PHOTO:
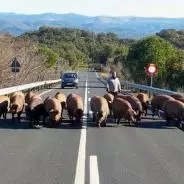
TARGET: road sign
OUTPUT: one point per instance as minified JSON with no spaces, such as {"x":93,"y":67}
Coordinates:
{"x":15,"y":63}
{"x":15,"y":66}
{"x":151,"y":69}
{"x":15,"y":70}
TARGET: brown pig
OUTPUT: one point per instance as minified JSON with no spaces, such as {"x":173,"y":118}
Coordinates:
{"x":28,"y":96}
{"x":62,"y":98}
{"x":122,"y":109}
{"x":144,"y":99}
{"x":109,"y":97}
{"x":181,"y":99}
{"x":176,"y":96}
{"x":75,"y":106}
{"x":4,"y":105}
{"x":100,"y":109}
{"x":53,"y":109}
{"x":158,"y":101}
{"x":135,"y":103}
{"x":35,"y":109}
{"x":173,"y":110}
{"x":17,"y":102}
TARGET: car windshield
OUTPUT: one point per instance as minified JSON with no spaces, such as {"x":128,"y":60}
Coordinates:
{"x":69,"y":75}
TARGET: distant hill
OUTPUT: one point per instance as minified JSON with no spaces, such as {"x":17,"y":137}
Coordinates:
{"x":173,"y":36}
{"x":124,"y":27}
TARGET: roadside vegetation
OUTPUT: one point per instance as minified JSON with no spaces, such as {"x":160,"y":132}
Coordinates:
{"x":46,"y":52}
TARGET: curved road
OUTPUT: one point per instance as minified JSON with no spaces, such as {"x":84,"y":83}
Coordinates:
{"x":148,"y":154}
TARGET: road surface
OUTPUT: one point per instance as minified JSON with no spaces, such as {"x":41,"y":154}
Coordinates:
{"x":148,"y":154}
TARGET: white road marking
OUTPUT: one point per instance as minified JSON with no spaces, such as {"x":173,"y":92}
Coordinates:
{"x":93,"y":169}
{"x":89,"y":99}
{"x":88,"y":92}
{"x":97,"y":75}
{"x":80,"y":168}
{"x":46,"y":92}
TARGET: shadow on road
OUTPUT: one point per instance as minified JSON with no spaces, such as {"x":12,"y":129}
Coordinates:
{"x":8,"y":124}
{"x":152,"y":125}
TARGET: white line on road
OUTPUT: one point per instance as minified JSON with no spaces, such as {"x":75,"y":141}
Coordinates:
{"x":93,"y":168}
{"x":89,"y":99}
{"x":97,"y":75}
{"x":88,"y":92}
{"x":46,"y":92}
{"x":80,"y":168}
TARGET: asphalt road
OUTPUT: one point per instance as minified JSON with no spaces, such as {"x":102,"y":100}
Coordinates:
{"x":148,"y":154}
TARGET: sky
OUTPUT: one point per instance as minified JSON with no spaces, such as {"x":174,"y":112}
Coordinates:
{"x":143,"y":8}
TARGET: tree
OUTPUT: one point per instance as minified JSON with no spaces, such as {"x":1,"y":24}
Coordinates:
{"x":149,"y":50}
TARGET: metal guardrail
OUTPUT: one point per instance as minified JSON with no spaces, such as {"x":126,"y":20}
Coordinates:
{"x":142,"y":87}
{"x":149,"y":89}
{"x":6,"y":91}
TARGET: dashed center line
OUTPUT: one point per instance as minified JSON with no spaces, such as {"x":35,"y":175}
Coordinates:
{"x":80,"y":168}
{"x":89,"y":99}
{"x":94,"y":172}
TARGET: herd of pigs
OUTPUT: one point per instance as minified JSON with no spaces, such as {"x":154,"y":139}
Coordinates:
{"x":130,"y":107}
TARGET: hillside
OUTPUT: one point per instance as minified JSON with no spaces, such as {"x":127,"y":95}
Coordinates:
{"x":47,"y":51}
{"x":124,"y":27}
{"x":128,"y":57}
{"x":173,"y":36}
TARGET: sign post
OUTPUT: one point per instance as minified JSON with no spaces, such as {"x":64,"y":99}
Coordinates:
{"x":15,"y":66}
{"x":151,"y":70}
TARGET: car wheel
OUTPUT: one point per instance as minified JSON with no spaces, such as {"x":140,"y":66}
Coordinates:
{"x":76,"y":86}
{"x":62,"y":86}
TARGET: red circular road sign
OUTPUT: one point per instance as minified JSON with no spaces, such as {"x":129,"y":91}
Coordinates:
{"x":151,"y":69}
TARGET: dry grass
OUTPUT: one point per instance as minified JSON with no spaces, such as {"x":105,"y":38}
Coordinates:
{"x":103,"y":75}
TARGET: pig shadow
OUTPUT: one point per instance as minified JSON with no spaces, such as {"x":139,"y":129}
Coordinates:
{"x":8,"y":124}
{"x":153,"y":125}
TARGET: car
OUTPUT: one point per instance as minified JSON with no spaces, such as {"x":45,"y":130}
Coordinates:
{"x":70,"y":79}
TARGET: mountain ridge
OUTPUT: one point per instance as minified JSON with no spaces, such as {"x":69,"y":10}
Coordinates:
{"x":123,"y":26}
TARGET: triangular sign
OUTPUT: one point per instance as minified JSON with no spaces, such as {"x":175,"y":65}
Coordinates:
{"x":15,"y":63}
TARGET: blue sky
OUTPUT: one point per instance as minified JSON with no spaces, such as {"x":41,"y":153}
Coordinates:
{"x":147,"y":8}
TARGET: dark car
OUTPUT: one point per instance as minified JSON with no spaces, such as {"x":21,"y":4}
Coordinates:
{"x":69,"y":79}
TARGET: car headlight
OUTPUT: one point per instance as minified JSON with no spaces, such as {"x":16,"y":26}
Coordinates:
{"x":76,"y":80}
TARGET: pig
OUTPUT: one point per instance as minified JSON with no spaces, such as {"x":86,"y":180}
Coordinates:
{"x":75,"y":106}
{"x":35,"y":109}
{"x":4,"y":105}
{"x":62,"y":98}
{"x":122,"y":109}
{"x":109,"y":97}
{"x":28,"y":96}
{"x":158,"y":101}
{"x":144,"y":99}
{"x":173,"y":110}
{"x":135,"y":103}
{"x":53,"y":109}
{"x":17,"y":103}
{"x":181,"y":99}
{"x":100,"y":109}
{"x":176,"y":96}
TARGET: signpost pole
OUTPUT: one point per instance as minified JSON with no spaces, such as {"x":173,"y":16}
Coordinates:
{"x":151,"y":69}
{"x":15,"y":74}
{"x":151,"y":83}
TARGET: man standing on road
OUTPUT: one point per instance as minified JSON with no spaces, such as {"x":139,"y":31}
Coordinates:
{"x":113,"y":85}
